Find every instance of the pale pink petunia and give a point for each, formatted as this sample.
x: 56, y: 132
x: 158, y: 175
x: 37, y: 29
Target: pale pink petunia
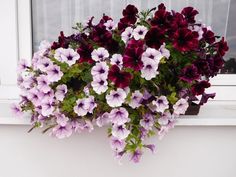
x: 54, y: 73
x: 149, y: 70
x: 61, y: 91
x: 22, y: 65
x: 99, y: 84
x: 180, y: 106
x: 164, y: 51
x: 136, y: 99
x: 117, y: 59
x: 160, y: 104
x: 16, y: 110
x: 48, y: 108
x: 43, y: 83
x: 62, y: 131
x: 152, y: 54
x: 116, y: 97
x: 110, y: 25
x: 117, y: 144
x: 91, y: 104
x: 103, y: 119
x: 69, y: 56
x: 81, y: 107
x: 120, y: 131
x: 119, y: 116
x: 44, y: 64
x: 147, y: 121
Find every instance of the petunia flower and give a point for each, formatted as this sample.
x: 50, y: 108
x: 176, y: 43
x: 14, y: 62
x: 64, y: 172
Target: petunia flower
x: 152, y: 54
x: 151, y: 147
x: 103, y: 119
x: 189, y: 14
x: 48, y: 108
x: 161, y: 104
x: 43, y: 83
x: 100, y: 54
x: 44, y: 64
x: 59, y: 53
x: 35, y: 96
x: 69, y: 56
x: 61, y: 91
x: 49, y: 96
x: 136, y: 99
x: 149, y: 69
x: 180, y: 106
x: 132, y: 55
x: 120, y: 78
x: 189, y: 73
x: 61, y: 119
x: 100, y: 84
x: 199, y: 87
x: 117, y: 144
x: 54, y: 73
x: 22, y: 65
x: 91, y: 104
x: 16, y: 110
x: 147, y: 121
x: 155, y: 37
x: 119, y: 116
x: 139, y: 32
x: 62, y: 131
x: 81, y: 107
x: 127, y: 34
x: 100, y: 70
x: 116, y: 98
x: 136, y: 155
x: 110, y: 25
x: 120, y: 132
x: 164, y: 52
x: 117, y: 59
x: 165, y: 118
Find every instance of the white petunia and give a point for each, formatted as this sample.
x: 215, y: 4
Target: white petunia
x: 165, y: 52
x: 116, y: 98
x: 99, y: 84
x: 100, y: 70
x: 152, y: 54
x: 127, y: 34
x: 120, y: 132
x: 117, y: 59
x: 110, y: 25
x: 149, y: 69
x: 139, y: 32
x: 69, y: 56
x: 99, y: 54
x: 119, y: 116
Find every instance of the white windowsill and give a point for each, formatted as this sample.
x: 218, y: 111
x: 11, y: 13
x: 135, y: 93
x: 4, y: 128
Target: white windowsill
x: 214, y: 113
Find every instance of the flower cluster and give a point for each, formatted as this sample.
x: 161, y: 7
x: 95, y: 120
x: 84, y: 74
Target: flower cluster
x: 136, y: 77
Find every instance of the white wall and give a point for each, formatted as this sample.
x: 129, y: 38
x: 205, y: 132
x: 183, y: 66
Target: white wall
x: 184, y: 152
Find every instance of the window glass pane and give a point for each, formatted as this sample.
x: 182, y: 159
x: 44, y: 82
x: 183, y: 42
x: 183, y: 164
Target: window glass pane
x: 51, y: 17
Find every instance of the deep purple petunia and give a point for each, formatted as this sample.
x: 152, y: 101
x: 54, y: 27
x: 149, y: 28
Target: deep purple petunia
x: 189, y: 14
x: 133, y: 54
x: 199, y: 87
x: 208, y: 36
x: 189, y: 73
x: 185, y: 40
x: 222, y: 47
x: 162, y: 18
x: 155, y: 37
x: 120, y: 78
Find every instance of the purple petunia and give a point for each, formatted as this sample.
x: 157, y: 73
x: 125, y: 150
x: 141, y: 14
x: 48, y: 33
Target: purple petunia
x: 43, y: 83
x: 147, y: 122
x: 54, y: 73
x: 61, y: 91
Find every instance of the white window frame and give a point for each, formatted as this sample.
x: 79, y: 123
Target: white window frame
x: 224, y: 84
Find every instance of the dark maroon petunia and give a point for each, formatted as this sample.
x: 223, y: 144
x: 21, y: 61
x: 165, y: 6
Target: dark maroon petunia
x: 199, y: 87
x: 155, y: 37
x: 130, y: 14
x: 162, y: 18
x: 130, y: 17
x: 189, y: 14
x: 85, y: 53
x: 185, y: 40
x: 132, y: 55
x: 208, y: 36
x: 222, y: 47
x: 203, y: 66
x: 120, y: 78
x: 62, y: 42
x: 189, y: 74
